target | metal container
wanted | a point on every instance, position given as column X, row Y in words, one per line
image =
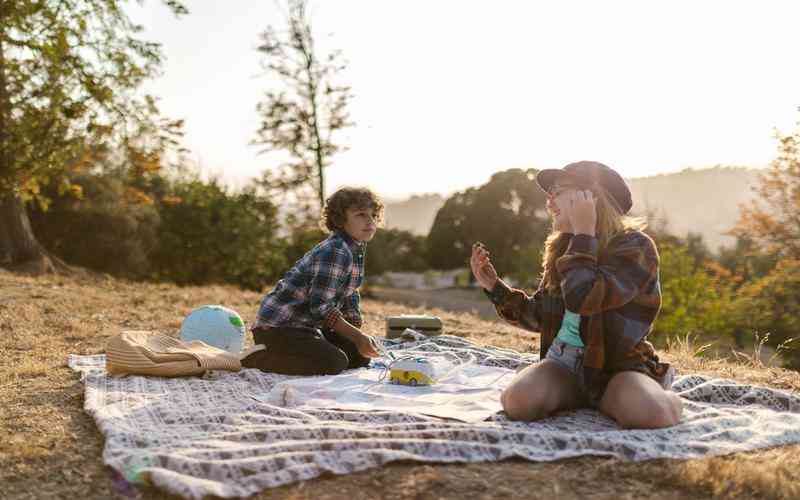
column 427, row 325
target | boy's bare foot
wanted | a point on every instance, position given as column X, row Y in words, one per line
column 254, row 356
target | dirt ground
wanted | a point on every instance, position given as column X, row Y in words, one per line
column 50, row 448
column 452, row 300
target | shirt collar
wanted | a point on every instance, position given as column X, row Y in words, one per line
column 355, row 246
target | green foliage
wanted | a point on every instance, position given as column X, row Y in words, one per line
column 507, row 215
column 771, row 305
column 68, row 75
column 746, row 261
column 526, row 266
column 183, row 230
column 695, row 301
column 395, row 250
column 302, row 238
column 694, row 243
column 768, row 234
column 210, row 235
column 101, row 229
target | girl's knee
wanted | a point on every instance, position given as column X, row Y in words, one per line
column 656, row 413
column 638, row 402
column 520, row 404
column 667, row 413
column 676, row 405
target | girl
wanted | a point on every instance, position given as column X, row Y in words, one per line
column 596, row 303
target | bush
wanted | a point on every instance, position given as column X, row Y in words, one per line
column 771, row 305
column 103, row 230
column 694, row 301
column 208, row 235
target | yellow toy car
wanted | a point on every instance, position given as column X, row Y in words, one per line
column 413, row 372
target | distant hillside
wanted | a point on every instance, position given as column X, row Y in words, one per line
column 698, row 200
column 702, row 201
column 415, row 214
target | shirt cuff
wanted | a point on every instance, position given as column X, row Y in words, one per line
column 583, row 243
column 353, row 320
column 331, row 318
column 499, row 293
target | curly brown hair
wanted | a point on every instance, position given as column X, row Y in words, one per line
column 334, row 215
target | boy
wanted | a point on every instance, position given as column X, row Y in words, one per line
column 310, row 322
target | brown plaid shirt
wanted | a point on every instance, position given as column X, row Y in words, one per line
column 616, row 292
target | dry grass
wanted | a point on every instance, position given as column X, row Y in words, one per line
column 50, row 448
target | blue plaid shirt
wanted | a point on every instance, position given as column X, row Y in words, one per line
column 320, row 288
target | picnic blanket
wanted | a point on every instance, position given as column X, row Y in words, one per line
column 463, row 390
column 219, row 435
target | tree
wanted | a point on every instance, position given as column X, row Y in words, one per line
column 745, row 261
column 69, row 71
column 395, row 250
column 507, row 215
column 773, row 220
column 302, row 115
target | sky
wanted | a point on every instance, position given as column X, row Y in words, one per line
column 449, row 91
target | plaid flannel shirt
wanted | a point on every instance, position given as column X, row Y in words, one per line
column 618, row 295
column 319, row 289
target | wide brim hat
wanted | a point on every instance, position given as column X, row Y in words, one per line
column 587, row 173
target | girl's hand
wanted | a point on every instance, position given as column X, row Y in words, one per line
column 580, row 210
column 482, row 268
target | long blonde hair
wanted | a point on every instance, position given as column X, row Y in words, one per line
column 610, row 223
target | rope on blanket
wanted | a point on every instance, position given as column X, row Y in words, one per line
column 417, row 353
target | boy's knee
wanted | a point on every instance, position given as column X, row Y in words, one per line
column 358, row 361
column 333, row 364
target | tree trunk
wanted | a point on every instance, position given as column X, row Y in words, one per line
column 317, row 145
column 19, row 249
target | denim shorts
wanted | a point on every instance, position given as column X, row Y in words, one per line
column 570, row 357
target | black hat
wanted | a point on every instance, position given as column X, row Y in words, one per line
column 587, row 173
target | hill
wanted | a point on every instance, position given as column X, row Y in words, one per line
column 414, row 214
column 694, row 200
column 702, row 201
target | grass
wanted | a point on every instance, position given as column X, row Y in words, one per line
column 50, row 448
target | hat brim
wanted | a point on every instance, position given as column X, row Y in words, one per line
column 546, row 178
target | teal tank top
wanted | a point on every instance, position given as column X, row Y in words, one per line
column 569, row 333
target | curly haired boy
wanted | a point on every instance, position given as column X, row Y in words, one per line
column 310, row 322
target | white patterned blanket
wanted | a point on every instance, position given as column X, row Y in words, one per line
column 213, row 436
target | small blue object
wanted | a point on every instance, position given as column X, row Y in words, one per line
column 217, row 326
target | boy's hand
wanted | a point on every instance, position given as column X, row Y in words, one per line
column 366, row 346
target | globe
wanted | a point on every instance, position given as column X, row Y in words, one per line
column 215, row 325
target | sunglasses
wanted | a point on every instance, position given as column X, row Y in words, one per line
column 557, row 190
